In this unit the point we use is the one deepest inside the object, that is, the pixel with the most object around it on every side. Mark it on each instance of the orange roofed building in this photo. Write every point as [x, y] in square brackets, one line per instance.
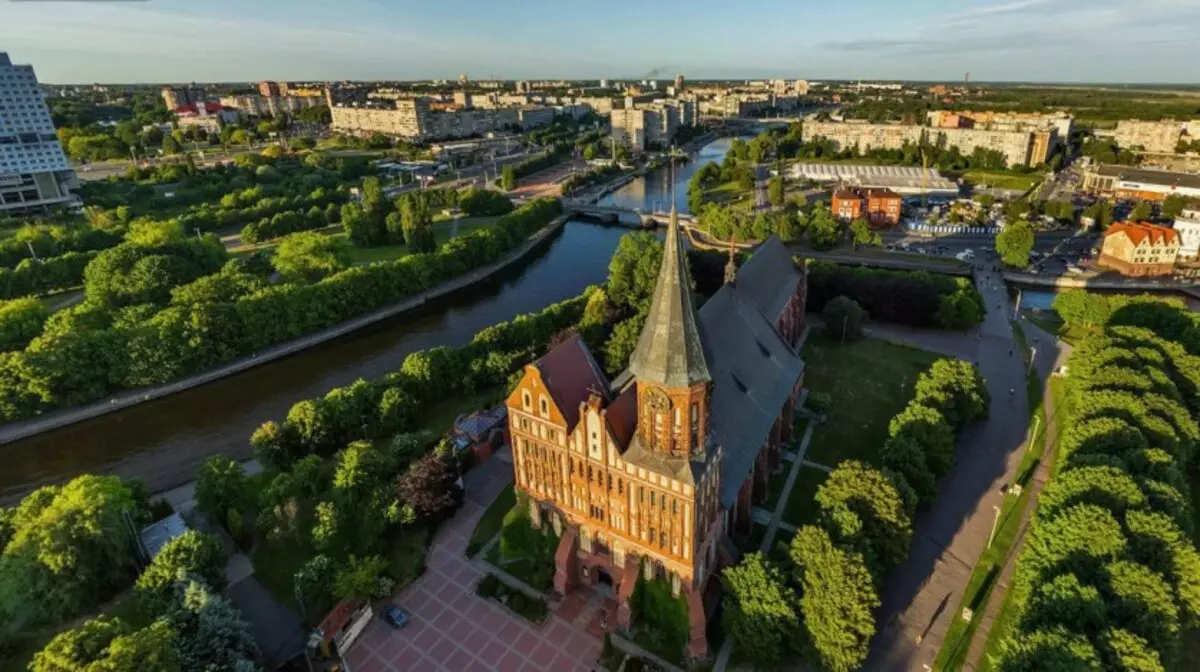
[880, 207]
[644, 476]
[1140, 249]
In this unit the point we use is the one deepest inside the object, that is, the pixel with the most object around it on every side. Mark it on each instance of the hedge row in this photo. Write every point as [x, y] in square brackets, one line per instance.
[95, 351]
[291, 221]
[484, 202]
[45, 275]
[210, 219]
[53, 240]
[400, 401]
[1109, 577]
[917, 298]
[540, 162]
[589, 177]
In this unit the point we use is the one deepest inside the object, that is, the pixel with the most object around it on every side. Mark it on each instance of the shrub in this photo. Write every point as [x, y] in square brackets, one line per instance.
[844, 319]
[916, 298]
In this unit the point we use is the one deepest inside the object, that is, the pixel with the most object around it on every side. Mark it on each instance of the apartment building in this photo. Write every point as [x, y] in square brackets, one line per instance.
[640, 127]
[880, 207]
[416, 119]
[34, 173]
[1187, 224]
[1152, 136]
[260, 106]
[208, 116]
[1018, 147]
[731, 104]
[176, 97]
[1138, 250]
[1062, 122]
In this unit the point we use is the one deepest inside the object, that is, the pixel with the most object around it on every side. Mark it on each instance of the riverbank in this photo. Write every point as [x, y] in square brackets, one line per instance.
[57, 419]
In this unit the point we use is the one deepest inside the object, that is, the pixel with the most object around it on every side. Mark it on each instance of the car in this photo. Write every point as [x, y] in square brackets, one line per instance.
[395, 616]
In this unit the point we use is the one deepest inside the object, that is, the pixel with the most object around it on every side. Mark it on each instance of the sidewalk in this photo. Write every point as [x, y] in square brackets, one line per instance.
[1038, 483]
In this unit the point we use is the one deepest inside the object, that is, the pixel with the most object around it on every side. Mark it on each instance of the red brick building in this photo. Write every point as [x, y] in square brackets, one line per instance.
[880, 207]
[643, 476]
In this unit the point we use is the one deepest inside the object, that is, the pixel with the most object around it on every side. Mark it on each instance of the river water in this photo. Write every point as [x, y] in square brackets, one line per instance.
[164, 441]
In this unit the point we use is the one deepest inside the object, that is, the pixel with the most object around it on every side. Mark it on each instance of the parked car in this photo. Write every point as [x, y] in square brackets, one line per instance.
[395, 616]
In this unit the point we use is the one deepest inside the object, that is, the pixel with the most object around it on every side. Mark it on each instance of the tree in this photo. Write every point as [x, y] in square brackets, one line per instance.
[308, 256]
[210, 632]
[776, 194]
[956, 389]
[1141, 212]
[844, 317]
[192, 553]
[359, 579]
[760, 609]
[929, 428]
[633, 270]
[1014, 243]
[589, 152]
[21, 321]
[861, 234]
[220, 486]
[417, 224]
[824, 231]
[106, 644]
[508, 178]
[170, 145]
[1041, 650]
[430, 488]
[904, 456]
[68, 549]
[621, 344]
[861, 506]
[1173, 206]
[837, 598]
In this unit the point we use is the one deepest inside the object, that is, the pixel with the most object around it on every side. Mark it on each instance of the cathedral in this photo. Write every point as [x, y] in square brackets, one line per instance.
[644, 476]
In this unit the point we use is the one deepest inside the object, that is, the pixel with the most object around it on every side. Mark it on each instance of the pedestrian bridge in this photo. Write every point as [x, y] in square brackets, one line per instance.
[623, 216]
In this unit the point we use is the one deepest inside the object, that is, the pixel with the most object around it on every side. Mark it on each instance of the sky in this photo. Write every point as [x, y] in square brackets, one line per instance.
[146, 41]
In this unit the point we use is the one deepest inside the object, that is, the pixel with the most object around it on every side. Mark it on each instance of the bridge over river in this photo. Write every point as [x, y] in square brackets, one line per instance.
[615, 214]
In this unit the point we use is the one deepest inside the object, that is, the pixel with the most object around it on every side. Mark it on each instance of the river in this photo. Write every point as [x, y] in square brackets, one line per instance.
[165, 440]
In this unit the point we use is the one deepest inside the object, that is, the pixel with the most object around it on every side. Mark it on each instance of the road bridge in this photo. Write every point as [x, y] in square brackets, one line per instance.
[624, 216]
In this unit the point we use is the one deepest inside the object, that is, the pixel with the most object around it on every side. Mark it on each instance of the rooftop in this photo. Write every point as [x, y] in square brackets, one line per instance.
[1139, 231]
[1159, 177]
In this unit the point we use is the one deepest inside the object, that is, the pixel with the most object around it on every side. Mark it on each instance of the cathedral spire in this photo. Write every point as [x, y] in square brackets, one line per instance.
[669, 352]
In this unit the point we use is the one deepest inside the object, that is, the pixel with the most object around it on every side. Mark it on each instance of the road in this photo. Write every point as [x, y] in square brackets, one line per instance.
[920, 595]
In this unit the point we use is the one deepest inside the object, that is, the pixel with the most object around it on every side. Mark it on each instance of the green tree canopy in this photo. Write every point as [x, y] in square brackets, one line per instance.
[837, 600]
[760, 611]
[1015, 243]
[861, 506]
[307, 257]
[844, 318]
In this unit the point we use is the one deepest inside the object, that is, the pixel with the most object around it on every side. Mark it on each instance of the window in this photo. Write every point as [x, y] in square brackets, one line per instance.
[662, 539]
[652, 498]
[620, 487]
[545, 406]
[678, 420]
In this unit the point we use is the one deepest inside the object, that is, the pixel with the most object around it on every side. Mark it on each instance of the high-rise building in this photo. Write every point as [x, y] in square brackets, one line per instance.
[641, 478]
[678, 84]
[177, 97]
[604, 83]
[268, 89]
[34, 173]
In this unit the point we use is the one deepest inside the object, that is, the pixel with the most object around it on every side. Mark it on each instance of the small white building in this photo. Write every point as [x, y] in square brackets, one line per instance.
[1188, 226]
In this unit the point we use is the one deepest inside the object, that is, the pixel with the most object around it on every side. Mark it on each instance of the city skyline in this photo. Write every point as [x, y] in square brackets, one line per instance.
[926, 40]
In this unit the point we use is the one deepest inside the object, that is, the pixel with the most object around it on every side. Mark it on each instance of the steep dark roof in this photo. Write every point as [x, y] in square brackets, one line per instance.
[669, 352]
[571, 373]
[769, 278]
[622, 415]
[753, 372]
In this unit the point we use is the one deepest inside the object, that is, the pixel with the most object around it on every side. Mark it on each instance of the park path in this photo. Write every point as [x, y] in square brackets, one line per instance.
[1036, 485]
[920, 595]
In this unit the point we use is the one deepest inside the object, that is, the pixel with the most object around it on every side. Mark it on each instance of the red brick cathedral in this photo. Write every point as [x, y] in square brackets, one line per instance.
[644, 476]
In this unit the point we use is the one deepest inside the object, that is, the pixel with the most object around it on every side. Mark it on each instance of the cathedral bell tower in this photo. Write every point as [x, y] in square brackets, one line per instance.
[669, 364]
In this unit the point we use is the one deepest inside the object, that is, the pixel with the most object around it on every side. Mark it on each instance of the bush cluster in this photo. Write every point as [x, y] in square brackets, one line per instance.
[90, 350]
[917, 298]
[1109, 577]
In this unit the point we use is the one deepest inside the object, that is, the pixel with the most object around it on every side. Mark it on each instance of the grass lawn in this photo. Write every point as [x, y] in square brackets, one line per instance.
[869, 381]
[1049, 321]
[275, 563]
[957, 641]
[727, 192]
[442, 415]
[1015, 181]
[800, 508]
[1014, 603]
[492, 520]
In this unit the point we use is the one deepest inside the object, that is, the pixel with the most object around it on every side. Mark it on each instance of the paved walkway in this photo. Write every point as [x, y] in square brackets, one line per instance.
[1036, 485]
[454, 630]
[920, 595]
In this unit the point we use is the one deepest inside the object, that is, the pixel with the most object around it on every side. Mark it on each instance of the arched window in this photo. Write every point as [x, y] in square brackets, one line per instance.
[526, 400]
[545, 406]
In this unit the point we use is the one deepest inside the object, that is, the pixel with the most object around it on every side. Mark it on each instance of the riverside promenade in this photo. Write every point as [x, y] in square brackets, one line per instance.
[62, 418]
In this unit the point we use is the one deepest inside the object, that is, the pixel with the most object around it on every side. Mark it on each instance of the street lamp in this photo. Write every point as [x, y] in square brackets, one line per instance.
[995, 523]
[1032, 356]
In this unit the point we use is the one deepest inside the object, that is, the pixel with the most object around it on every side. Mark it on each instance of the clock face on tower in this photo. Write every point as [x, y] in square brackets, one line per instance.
[657, 400]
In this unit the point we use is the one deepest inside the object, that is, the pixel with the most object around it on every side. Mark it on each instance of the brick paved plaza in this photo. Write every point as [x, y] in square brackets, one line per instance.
[453, 629]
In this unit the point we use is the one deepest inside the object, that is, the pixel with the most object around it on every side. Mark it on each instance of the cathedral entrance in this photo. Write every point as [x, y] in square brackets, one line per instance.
[604, 578]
